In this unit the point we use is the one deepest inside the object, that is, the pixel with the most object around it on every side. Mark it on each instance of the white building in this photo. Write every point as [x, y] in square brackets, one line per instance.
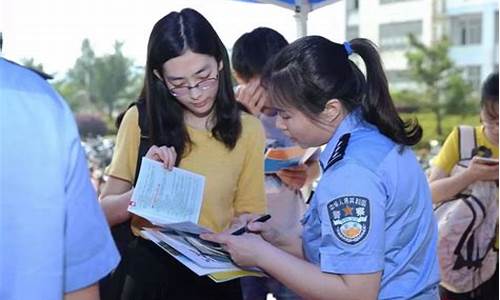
[471, 25]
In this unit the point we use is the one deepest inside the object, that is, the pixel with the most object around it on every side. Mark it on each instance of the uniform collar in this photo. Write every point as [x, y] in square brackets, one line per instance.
[348, 125]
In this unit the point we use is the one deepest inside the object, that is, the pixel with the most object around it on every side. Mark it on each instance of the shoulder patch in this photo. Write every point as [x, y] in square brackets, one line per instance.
[350, 218]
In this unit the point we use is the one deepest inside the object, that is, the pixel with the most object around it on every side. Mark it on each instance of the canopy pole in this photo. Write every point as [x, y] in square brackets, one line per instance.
[302, 9]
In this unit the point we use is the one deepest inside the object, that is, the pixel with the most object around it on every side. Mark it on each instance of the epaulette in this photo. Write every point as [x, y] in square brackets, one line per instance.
[45, 76]
[338, 152]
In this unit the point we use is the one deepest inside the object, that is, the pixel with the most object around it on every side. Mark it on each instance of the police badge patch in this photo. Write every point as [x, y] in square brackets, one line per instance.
[350, 218]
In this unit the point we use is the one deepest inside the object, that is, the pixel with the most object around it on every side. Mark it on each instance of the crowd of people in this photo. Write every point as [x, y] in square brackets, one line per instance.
[373, 228]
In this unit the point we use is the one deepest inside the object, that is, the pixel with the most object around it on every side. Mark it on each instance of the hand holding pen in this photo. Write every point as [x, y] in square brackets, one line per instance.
[245, 228]
[243, 248]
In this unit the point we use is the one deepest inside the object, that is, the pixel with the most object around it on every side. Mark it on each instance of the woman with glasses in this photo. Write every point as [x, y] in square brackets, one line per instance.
[193, 122]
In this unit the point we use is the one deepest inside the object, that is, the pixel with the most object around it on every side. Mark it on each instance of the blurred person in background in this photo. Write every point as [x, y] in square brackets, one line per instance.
[54, 238]
[455, 173]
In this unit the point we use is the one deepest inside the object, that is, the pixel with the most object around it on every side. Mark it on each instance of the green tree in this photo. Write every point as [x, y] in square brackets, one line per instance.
[100, 83]
[112, 76]
[460, 99]
[444, 89]
[81, 79]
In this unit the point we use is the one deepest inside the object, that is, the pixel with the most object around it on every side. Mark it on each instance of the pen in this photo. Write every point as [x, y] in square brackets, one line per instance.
[245, 229]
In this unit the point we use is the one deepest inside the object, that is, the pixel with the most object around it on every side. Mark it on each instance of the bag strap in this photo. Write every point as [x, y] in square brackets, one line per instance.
[122, 234]
[466, 141]
[145, 141]
[468, 237]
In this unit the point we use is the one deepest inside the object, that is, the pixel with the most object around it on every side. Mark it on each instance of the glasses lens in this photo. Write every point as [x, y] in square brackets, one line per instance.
[180, 91]
[202, 85]
[206, 84]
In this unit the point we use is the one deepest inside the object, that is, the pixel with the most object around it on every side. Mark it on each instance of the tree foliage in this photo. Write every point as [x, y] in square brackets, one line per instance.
[100, 83]
[443, 88]
[112, 76]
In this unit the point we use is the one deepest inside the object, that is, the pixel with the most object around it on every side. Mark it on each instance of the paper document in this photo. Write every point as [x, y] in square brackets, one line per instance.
[285, 157]
[164, 196]
[200, 256]
[172, 200]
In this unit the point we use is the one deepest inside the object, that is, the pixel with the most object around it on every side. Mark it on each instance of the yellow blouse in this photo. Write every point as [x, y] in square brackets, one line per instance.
[234, 179]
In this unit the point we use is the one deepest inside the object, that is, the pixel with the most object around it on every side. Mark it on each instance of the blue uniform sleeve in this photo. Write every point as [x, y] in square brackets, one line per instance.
[351, 209]
[90, 252]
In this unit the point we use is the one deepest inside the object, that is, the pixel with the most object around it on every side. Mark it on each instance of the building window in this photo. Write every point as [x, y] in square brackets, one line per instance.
[473, 75]
[466, 29]
[351, 32]
[392, 1]
[394, 36]
[352, 5]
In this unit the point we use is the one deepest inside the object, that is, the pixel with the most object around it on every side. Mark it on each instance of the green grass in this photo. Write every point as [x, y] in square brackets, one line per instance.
[428, 122]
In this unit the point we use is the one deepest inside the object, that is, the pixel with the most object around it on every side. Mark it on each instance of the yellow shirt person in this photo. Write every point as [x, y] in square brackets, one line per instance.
[449, 155]
[234, 178]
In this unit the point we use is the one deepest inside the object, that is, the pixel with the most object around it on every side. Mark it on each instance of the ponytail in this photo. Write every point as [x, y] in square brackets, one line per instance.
[313, 70]
[377, 105]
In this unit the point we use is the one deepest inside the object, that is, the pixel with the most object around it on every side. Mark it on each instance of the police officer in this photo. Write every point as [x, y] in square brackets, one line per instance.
[369, 232]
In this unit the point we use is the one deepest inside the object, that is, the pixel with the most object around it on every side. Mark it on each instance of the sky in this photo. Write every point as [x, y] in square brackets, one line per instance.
[51, 31]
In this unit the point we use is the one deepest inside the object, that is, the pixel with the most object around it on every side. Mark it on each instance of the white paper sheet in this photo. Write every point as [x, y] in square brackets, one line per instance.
[164, 196]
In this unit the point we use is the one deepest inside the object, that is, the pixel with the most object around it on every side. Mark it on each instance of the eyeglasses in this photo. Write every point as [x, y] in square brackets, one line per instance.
[203, 85]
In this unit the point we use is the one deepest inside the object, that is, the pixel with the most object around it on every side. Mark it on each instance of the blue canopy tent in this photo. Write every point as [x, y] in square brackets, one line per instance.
[301, 8]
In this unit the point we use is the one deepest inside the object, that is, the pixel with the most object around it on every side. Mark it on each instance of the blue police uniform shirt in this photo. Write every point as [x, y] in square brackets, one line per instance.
[372, 212]
[54, 237]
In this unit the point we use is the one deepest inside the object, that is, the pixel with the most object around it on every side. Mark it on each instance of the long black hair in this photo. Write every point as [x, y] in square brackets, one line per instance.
[313, 70]
[172, 36]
